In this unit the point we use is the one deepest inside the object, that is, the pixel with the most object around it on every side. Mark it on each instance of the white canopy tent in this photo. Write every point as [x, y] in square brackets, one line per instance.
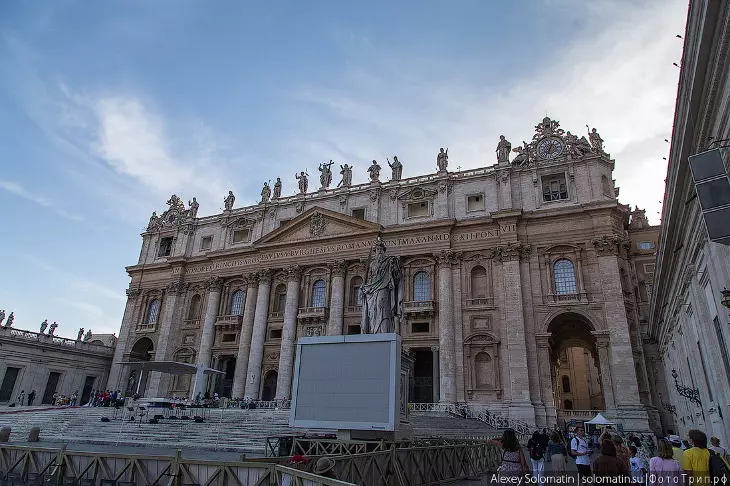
[172, 368]
[600, 420]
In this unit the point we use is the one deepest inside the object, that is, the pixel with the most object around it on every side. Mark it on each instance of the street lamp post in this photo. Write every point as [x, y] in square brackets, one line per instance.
[691, 394]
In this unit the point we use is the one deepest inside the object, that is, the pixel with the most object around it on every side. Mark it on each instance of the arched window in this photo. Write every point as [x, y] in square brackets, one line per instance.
[484, 370]
[564, 273]
[318, 290]
[279, 303]
[568, 404]
[153, 310]
[195, 307]
[478, 282]
[355, 295]
[421, 287]
[237, 303]
[566, 384]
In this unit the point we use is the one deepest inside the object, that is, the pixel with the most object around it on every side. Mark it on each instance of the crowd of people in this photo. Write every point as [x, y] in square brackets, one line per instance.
[609, 455]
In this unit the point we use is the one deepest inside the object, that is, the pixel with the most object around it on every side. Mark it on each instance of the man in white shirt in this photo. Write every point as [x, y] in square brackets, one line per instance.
[582, 452]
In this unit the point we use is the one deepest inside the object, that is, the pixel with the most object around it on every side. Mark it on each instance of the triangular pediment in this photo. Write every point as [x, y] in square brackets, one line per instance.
[318, 224]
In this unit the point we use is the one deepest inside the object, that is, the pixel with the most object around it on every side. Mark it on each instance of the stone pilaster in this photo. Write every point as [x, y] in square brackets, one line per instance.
[458, 335]
[207, 338]
[602, 343]
[436, 364]
[244, 340]
[174, 289]
[626, 390]
[259, 335]
[289, 333]
[516, 353]
[546, 382]
[128, 325]
[447, 372]
[337, 300]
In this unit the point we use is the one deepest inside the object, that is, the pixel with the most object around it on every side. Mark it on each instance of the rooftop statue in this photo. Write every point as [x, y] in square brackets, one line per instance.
[442, 160]
[325, 177]
[154, 221]
[80, 334]
[382, 292]
[2, 316]
[265, 193]
[9, 322]
[229, 200]
[503, 150]
[374, 171]
[193, 208]
[44, 325]
[303, 182]
[87, 338]
[346, 176]
[596, 140]
[52, 329]
[277, 188]
[397, 168]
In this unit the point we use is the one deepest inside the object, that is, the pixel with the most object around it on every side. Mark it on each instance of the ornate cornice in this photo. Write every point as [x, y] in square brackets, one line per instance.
[132, 294]
[215, 284]
[338, 268]
[512, 252]
[607, 245]
[293, 273]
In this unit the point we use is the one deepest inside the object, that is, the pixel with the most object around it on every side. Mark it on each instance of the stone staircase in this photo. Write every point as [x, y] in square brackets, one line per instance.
[231, 430]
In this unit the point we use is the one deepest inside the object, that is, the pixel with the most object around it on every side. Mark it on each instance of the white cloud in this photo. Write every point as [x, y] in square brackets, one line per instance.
[616, 76]
[18, 190]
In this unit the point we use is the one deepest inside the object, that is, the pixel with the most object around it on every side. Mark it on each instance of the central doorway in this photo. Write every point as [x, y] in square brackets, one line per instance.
[141, 351]
[422, 389]
[224, 383]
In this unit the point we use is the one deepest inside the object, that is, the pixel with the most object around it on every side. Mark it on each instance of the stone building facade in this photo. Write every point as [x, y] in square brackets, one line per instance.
[688, 343]
[504, 267]
[51, 364]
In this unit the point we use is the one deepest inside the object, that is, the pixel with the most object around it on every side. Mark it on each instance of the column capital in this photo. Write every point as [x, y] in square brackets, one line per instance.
[215, 284]
[608, 244]
[177, 286]
[543, 340]
[512, 252]
[448, 257]
[132, 294]
[603, 338]
[293, 273]
[264, 276]
[251, 279]
[435, 349]
[338, 268]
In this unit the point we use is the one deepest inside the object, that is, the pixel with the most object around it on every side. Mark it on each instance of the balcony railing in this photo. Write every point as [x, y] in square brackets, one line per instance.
[276, 316]
[581, 297]
[24, 335]
[191, 324]
[480, 302]
[419, 307]
[150, 327]
[313, 313]
[228, 321]
[564, 414]
[353, 309]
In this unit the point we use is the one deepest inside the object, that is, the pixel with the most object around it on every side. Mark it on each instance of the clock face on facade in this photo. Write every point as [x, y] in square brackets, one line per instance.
[549, 148]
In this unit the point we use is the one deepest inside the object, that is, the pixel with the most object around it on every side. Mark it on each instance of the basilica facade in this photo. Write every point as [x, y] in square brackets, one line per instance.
[506, 269]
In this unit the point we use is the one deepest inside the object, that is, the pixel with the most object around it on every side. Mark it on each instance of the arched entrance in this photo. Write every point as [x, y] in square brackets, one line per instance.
[269, 391]
[575, 370]
[141, 351]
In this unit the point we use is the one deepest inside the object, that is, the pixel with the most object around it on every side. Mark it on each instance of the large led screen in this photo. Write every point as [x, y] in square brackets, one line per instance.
[347, 382]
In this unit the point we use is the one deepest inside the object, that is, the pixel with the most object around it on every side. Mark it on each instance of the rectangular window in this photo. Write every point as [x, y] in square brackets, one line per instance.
[475, 203]
[6, 390]
[206, 243]
[704, 370]
[645, 245]
[239, 236]
[282, 222]
[418, 209]
[228, 338]
[353, 329]
[165, 248]
[358, 213]
[419, 327]
[275, 334]
[554, 188]
[723, 347]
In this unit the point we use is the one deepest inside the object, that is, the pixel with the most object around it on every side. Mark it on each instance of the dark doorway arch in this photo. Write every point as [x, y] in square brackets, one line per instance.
[269, 391]
[574, 364]
[141, 351]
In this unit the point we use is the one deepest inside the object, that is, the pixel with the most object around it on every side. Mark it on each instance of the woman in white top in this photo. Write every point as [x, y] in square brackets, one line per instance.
[664, 469]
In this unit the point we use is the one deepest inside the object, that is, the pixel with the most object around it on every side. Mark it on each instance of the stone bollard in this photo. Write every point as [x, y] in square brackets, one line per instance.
[5, 433]
[34, 434]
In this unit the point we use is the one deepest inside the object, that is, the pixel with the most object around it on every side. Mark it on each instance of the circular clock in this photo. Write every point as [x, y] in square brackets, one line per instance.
[549, 148]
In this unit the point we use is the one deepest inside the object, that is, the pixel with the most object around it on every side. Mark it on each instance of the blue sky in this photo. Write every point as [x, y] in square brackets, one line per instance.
[106, 108]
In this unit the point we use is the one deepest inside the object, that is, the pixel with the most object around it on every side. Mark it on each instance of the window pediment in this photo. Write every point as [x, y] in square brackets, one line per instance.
[481, 338]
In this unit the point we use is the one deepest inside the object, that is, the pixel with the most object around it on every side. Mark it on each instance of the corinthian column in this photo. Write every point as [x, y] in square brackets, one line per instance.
[128, 324]
[174, 288]
[289, 333]
[337, 301]
[259, 335]
[205, 351]
[244, 341]
[604, 361]
[447, 371]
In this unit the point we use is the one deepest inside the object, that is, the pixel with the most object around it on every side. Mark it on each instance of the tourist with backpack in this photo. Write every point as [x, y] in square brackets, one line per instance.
[582, 453]
[513, 460]
[537, 454]
[557, 453]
